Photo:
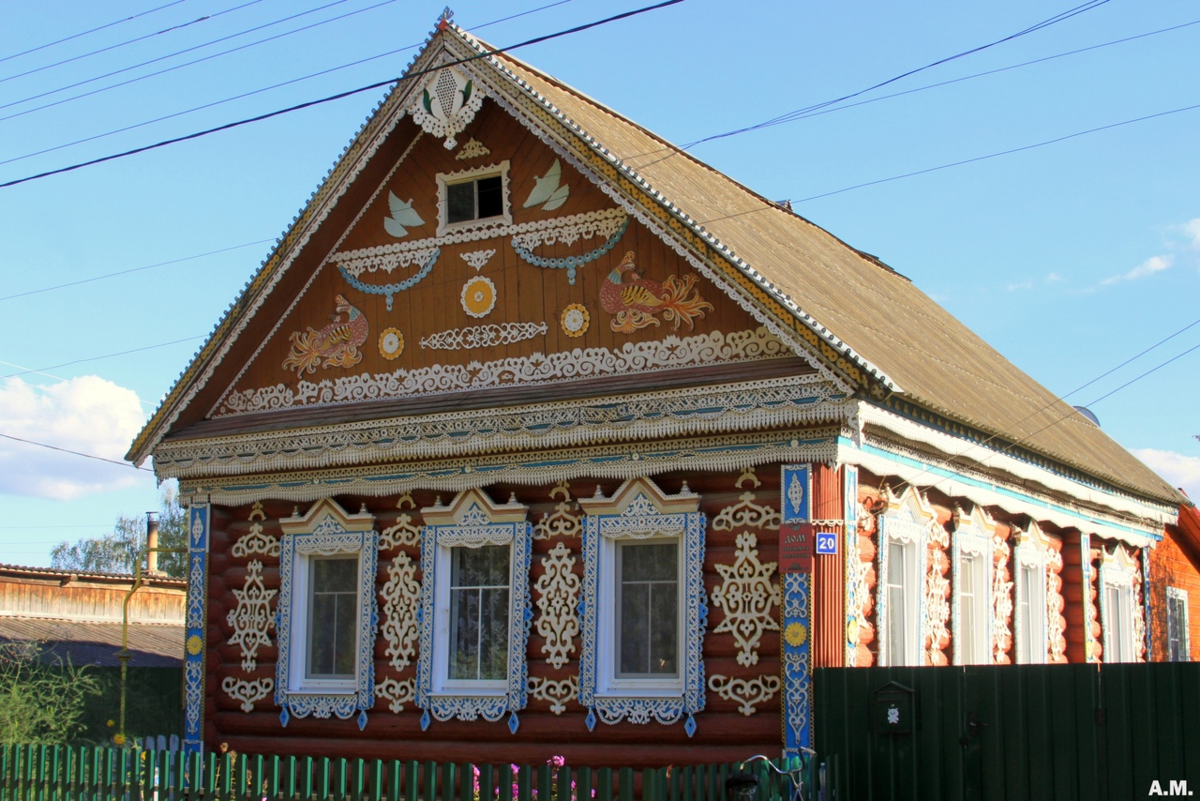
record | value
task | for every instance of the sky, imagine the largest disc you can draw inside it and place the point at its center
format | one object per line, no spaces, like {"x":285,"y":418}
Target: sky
{"x":1070,"y":258}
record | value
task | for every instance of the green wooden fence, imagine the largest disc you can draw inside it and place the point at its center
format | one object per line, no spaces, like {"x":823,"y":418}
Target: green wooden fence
{"x":1110,"y":732}
{"x":58,"y":773}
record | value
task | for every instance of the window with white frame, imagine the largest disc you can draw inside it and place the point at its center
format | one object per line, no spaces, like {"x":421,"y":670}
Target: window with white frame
{"x":1177,"y":625}
{"x":327,"y":563}
{"x":904,"y":532}
{"x":473,"y":197}
{"x":1120,"y":614}
{"x":972,"y":583}
{"x":475,"y":557}
{"x":1029,"y":624}
{"x":645,"y":609}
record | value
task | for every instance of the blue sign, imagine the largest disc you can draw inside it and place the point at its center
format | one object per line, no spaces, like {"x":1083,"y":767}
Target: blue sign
{"x":827,"y":543}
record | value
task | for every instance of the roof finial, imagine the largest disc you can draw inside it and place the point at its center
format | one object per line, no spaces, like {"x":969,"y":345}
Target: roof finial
{"x":445,"y":19}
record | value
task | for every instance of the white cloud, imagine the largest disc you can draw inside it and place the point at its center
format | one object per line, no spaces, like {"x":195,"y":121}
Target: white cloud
{"x":1191,"y":229}
{"x":1152,"y":265}
{"x":1050,"y":278}
{"x":1177,"y":469}
{"x":86,"y":414}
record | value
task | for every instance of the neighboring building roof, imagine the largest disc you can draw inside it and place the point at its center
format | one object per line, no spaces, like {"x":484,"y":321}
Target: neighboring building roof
{"x":871,"y":316}
{"x":90,"y":643}
{"x":72,"y":575}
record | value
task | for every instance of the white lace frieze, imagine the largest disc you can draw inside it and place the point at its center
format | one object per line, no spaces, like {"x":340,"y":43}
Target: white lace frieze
{"x":251,"y":618}
{"x":247,"y":693}
{"x":483,"y":336}
{"x":558,"y":597}
{"x":446,"y":104}
{"x":401,"y":598}
{"x":562,"y":522}
{"x":671,"y":352}
{"x":747,"y":692}
{"x":549,"y":190}
{"x":746,"y":596}
{"x":256,"y":541}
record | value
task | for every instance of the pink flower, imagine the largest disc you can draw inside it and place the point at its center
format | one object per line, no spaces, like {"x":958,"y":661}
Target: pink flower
{"x":556,"y":761}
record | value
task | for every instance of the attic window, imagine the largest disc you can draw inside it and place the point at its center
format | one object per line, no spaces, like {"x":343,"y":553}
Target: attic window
{"x":473,"y":198}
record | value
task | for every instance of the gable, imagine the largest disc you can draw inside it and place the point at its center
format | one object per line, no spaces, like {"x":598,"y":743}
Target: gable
{"x":562,"y":286}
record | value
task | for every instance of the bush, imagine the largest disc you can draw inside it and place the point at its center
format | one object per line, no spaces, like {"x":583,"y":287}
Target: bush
{"x":40,"y":704}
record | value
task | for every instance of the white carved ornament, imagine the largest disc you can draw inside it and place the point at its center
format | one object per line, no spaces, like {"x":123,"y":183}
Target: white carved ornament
{"x":483,"y":336}
{"x":937,"y":590}
{"x":247,"y":692}
{"x":747,"y":692}
{"x":746,"y":596}
{"x":404,"y":532}
{"x":397,"y":692}
{"x":746,"y":513}
{"x":256,"y":541}
{"x":1055,"y":639}
{"x":556,"y":692}
{"x":401,"y":598}
{"x":478,"y":258}
{"x":558,"y":597}
{"x":251,"y":618}
{"x":1002,"y":600}
{"x":446,"y":104}
{"x":473,"y":149}
{"x":560,"y":523}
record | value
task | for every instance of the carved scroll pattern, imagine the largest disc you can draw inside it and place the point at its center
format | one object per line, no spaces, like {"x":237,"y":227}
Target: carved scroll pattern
{"x":256,"y":541}
{"x":746,"y":513}
{"x":1002,"y":601}
{"x":745,"y":596}
{"x":937,"y":596}
{"x":401,"y":596}
{"x":558,"y":597}
{"x":747,"y":692}
{"x":1055,"y":623}
{"x":251,"y":618}
{"x":397,"y":692}
{"x":405,"y":532}
{"x":560,"y":523}
{"x":556,"y":692}
{"x":247,"y":692}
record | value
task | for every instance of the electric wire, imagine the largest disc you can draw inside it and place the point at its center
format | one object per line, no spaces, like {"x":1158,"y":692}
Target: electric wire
{"x":340,"y":95}
{"x":90,"y":31}
{"x":265,"y":89}
{"x":179,"y":53}
{"x":42,"y":370}
{"x":119,"y":45}
{"x":74,"y":453}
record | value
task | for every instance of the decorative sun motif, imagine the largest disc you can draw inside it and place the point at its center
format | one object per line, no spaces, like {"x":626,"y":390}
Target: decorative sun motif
{"x":575,"y":319}
{"x":479,"y":296}
{"x":795,"y":634}
{"x":391,"y":343}
{"x":194,"y":645}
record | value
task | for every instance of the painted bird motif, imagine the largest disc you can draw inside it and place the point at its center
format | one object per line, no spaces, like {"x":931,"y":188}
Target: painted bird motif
{"x":634,"y":301}
{"x":336,"y":345}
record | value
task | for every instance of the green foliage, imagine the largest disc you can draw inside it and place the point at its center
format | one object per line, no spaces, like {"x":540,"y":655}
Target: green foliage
{"x":40,"y":704}
{"x":116,"y":552}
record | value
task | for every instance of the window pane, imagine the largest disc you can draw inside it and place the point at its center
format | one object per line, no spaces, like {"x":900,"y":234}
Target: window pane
{"x":1025,"y":617}
{"x":479,"y":613}
{"x":491,"y":198}
{"x":1176,"y":635}
{"x":333,"y":613}
{"x":460,"y":202}
{"x":967,"y":627}
{"x":648,"y":602}
{"x":901,"y":604}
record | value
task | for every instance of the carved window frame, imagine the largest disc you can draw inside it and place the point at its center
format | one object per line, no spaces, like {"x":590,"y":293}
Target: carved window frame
{"x":473,"y":520}
{"x":1177,"y":598}
{"x":446,"y":179}
{"x":325,"y":530}
{"x":639,"y":510}
{"x":973,"y":535}
{"x":1119,"y":572}
{"x":906,"y":521}
{"x":1032,"y":550}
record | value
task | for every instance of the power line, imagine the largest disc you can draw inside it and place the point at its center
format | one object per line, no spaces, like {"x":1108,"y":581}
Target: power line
{"x":340,"y":95}
{"x":89,"y":31}
{"x":132,"y":270}
{"x":141,"y":38}
{"x":186,"y":64}
{"x":75,"y":453}
{"x":105,"y":356}
{"x":265,"y":89}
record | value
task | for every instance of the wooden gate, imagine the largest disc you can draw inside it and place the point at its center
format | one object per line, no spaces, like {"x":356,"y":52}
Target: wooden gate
{"x":1108,"y":732}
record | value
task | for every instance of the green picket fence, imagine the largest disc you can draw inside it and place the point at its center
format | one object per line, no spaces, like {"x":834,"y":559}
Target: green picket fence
{"x":59,"y":773}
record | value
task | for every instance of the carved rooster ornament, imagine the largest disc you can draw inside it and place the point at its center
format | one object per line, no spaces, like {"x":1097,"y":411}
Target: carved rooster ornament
{"x":634,"y":301}
{"x":336,"y":344}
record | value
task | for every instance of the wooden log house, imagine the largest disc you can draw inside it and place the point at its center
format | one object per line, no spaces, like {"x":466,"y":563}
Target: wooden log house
{"x":535,"y":435}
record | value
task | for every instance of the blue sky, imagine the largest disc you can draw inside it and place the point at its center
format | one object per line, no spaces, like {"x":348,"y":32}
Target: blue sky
{"x":1068,"y":258}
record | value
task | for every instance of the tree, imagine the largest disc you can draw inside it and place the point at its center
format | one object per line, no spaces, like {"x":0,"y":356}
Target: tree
{"x":117,"y":551}
{"x":40,"y":704}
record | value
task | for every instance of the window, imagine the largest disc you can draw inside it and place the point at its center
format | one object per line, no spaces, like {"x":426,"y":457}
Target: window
{"x":475,"y":557}
{"x":903,"y":534}
{"x":473,"y":198}
{"x":644,"y":611}
{"x":1118,"y":632}
{"x":971,"y":636}
{"x":1120,"y":612}
{"x":1177,"y":625}
{"x":1031,"y":618}
{"x":327,"y":562}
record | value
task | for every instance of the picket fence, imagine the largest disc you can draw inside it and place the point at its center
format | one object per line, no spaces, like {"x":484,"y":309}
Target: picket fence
{"x":59,"y":773}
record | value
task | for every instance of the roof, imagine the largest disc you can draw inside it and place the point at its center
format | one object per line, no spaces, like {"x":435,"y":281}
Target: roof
{"x":875,"y":318}
{"x":72,"y":575}
{"x":88,"y":643}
